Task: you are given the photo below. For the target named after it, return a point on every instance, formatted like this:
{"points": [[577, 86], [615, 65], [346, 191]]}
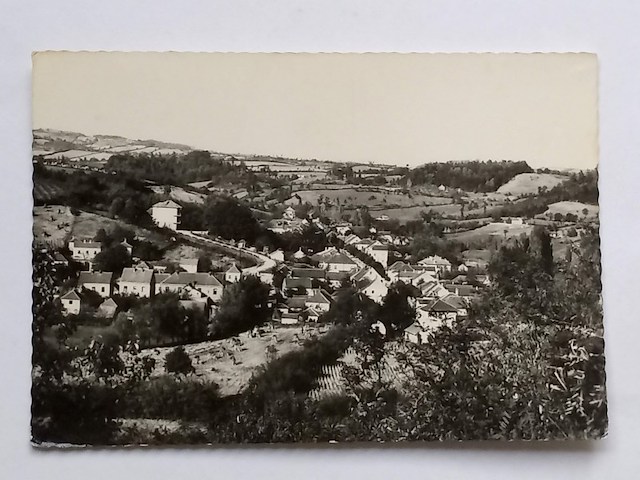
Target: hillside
{"points": [[527, 183]]}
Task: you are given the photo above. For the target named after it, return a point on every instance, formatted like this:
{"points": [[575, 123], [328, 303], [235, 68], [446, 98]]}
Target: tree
{"points": [[396, 312], [244, 305], [178, 361], [116, 206], [204, 263], [113, 259], [228, 219]]}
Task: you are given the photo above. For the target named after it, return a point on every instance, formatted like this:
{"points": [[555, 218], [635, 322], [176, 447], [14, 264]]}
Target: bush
{"points": [[178, 361]]}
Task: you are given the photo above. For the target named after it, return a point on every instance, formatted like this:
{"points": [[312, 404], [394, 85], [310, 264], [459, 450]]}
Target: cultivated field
{"points": [[575, 208], [44, 192], [526, 183], [52, 225], [372, 198], [492, 230], [231, 362]]}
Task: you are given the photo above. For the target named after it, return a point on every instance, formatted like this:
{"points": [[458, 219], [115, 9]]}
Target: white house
{"points": [[107, 309], [137, 281], [189, 265], [336, 262], [178, 282], [380, 253], [375, 289], [166, 214], [298, 255], [289, 213], [436, 264], [277, 255], [318, 301], [233, 274], [99, 282], [84, 250], [70, 303], [128, 246]]}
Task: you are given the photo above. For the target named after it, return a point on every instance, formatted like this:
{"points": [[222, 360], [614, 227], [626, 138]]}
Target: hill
{"points": [[528, 183]]}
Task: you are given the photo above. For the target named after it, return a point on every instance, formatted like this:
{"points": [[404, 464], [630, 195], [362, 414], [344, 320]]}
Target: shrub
{"points": [[178, 361]]}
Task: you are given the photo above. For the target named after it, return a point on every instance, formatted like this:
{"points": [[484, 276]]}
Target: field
{"points": [[355, 197], [575, 208], [498, 229], [180, 195], [52, 225], [231, 362], [87, 224], [526, 183], [46, 191], [219, 260]]}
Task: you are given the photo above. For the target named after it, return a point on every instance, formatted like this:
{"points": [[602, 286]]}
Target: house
{"points": [[352, 239], [289, 213], [412, 333], [107, 309], [483, 280], [375, 288], [343, 228], [70, 303], [397, 268], [363, 245], [439, 309], [312, 314], [277, 255], [99, 282], [459, 303], [432, 290], [294, 284], [463, 268], [383, 218], [233, 274], [166, 214], [128, 246], [318, 300], [137, 281], [266, 277], [85, 249], [189, 265], [336, 262], [60, 260], [435, 264], [299, 255], [380, 253], [179, 282], [442, 188]]}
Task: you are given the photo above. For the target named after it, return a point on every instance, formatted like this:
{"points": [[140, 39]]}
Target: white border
{"points": [[609, 29]]}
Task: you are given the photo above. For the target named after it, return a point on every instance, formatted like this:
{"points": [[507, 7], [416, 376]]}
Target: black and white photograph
{"points": [[291, 248]]}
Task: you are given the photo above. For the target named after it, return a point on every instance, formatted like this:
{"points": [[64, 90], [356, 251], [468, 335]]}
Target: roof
{"points": [[161, 277], [462, 290], [455, 301], [318, 297], [298, 301], [233, 269], [414, 328], [361, 274], [189, 261], [400, 266], [186, 278], [434, 260], [337, 276], [70, 295], [440, 305], [58, 257], [109, 303], [304, 282], [86, 244], [193, 304], [340, 258], [166, 204], [380, 247], [308, 272], [95, 277], [136, 275]]}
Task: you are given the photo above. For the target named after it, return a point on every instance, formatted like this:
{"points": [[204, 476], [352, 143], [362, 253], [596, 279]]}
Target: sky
{"points": [[400, 109]]}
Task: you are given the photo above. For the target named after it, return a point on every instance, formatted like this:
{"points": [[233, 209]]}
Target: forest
{"points": [[472, 176]]}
